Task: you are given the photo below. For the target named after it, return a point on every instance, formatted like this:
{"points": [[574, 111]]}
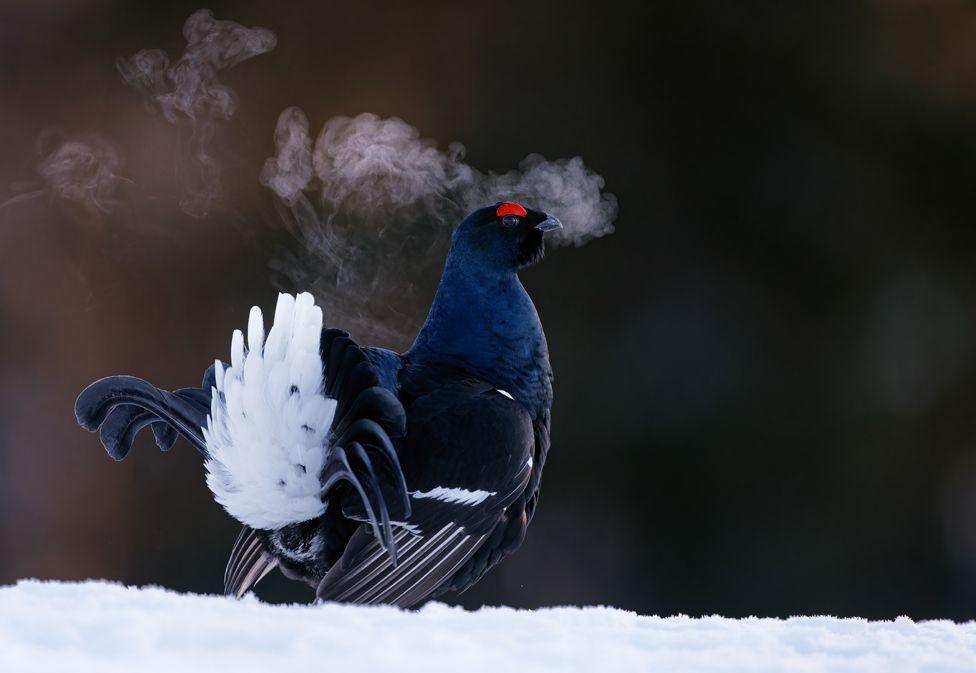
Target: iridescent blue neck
{"points": [[482, 319]]}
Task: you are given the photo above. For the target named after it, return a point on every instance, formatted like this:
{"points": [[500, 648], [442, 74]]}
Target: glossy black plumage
{"points": [[446, 414], [436, 454]]}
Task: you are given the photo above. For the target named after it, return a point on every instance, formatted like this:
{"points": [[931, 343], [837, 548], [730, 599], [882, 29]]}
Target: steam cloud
{"points": [[189, 91], [80, 172], [372, 201], [84, 172], [367, 220], [367, 165], [290, 170]]}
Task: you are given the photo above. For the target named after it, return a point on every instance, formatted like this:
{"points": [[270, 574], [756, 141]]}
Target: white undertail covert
{"points": [[267, 433]]}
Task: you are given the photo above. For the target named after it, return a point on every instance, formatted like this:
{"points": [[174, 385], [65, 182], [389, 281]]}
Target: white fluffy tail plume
{"points": [[267, 433]]}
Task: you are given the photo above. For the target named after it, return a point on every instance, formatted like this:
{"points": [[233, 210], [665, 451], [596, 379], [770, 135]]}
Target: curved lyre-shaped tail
{"points": [[298, 421], [120, 406]]}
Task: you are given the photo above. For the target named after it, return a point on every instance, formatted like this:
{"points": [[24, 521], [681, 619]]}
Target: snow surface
{"points": [[97, 626]]}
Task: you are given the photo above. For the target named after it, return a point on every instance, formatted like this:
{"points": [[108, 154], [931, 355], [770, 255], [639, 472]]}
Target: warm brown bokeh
{"points": [[766, 379]]}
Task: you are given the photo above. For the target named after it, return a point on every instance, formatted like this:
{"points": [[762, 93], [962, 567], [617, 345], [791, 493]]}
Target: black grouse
{"points": [[375, 477]]}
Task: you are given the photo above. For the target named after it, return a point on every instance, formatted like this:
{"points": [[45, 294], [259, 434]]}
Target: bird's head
{"points": [[504, 237]]}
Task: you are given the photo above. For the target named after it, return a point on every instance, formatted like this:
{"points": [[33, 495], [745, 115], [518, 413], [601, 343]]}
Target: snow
{"points": [[98, 626]]}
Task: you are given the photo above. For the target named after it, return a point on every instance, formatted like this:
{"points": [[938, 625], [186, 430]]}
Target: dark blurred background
{"points": [[765, 379]]}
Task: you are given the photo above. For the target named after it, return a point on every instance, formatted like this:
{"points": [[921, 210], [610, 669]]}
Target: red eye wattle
{"points": [[510, 208]]}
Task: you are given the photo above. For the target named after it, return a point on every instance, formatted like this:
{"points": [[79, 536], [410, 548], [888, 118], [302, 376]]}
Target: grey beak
{"points": [[551, 223]]}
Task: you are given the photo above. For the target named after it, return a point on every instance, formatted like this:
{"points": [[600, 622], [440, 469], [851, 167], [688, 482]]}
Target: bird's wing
{"points": [[467, 457]]}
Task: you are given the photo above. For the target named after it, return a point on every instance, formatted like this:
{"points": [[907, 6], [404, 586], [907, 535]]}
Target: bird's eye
{"points": [[510, 220]]}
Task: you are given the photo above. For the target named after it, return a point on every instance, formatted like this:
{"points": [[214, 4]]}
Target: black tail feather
{"points": [[362, 456], [372, 439], [120, 406], [363, 499]]}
